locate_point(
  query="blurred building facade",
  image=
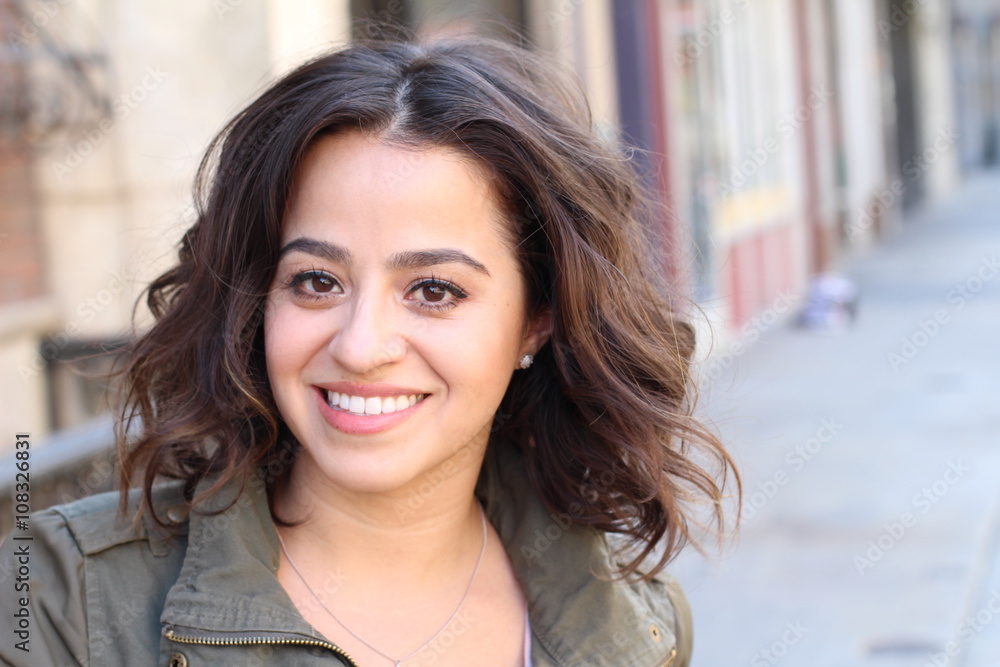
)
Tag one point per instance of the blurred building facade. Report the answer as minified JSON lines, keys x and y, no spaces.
{"x":779,"y":135}
{"x":976,"y":66}
{"x":107,"y":106}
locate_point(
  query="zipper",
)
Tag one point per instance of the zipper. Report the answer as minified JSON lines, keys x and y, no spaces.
{"x":273,"y":638}
{"x":290,"y":639}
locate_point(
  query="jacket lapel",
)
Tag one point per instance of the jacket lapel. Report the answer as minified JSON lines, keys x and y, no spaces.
{"x":578,"y":616}
{"x":228,"y":582}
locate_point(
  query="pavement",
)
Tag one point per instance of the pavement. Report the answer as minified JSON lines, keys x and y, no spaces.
{"x":871,"y":466}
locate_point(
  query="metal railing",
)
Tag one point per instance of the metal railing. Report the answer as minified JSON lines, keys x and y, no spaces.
{"x":68,"y":465}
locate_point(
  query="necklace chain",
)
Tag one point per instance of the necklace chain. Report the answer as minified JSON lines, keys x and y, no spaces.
{"x":400,"y":661}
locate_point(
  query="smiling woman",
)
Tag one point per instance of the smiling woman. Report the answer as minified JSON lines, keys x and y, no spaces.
{"x":412,"y":369}
{"x":383,"y":293}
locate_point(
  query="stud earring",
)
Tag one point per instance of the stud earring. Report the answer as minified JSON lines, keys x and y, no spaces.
{"x":526,"y":361}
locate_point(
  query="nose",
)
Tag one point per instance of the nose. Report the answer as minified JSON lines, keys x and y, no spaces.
{"x":369,"y":335}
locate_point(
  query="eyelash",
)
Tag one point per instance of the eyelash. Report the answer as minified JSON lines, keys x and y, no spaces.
{"x":295,"y":282}
{"x":457,"y":292}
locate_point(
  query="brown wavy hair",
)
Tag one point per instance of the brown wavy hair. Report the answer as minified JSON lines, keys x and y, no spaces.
{"x":605,"y":412}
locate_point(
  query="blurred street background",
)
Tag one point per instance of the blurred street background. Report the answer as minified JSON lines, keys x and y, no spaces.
{"x":829,"y":172}
{"x":871,"y":516}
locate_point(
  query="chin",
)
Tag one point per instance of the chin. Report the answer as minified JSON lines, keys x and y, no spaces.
{"x":365,"y":472}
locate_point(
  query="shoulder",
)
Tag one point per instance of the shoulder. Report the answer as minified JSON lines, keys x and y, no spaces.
{"x":76,"y":568}
{"x":666,"y":598}
{"x":581,"y":613}
{"x":96,"y":525}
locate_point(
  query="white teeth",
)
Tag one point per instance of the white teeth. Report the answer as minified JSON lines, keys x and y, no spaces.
{"x":372,"y":405}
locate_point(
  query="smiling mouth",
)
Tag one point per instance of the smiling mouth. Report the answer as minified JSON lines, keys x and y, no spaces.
{"x":371,"y":405}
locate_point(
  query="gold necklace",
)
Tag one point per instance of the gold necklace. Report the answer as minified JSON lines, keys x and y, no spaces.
{"x":427,"y":643}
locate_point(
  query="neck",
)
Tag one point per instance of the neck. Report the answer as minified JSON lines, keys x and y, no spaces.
{"x":401,"y":542}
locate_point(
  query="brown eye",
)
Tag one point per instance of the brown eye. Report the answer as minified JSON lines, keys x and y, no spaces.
{"x":436,"y":294}
{"x":433,"y":293}
{"x":321,"y":283}
{"x":313,"y":283}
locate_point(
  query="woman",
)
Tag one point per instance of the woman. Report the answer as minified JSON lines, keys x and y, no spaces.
{"x":415,"y":363}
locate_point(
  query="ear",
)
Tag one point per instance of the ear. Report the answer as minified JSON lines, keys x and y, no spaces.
{"x":537,"y":332}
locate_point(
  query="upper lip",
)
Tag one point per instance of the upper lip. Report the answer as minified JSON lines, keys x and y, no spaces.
{"x":370,"y":390}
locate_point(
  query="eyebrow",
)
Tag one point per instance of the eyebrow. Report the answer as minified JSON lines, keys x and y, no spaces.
{"x":408,"y":259}
{"x":418,"y":259}
{"x":321,"y":249}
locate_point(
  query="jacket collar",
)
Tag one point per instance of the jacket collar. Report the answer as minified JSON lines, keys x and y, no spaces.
{"x":579,"y":615}
{"x":228,"y":581}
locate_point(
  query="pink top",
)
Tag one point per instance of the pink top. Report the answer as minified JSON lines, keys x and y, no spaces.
{"x":527,"y":640}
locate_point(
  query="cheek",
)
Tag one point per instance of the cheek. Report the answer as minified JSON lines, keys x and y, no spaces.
{"x":273,"y":353}
{"x":477,"y":356}
{"x":286,"y":343}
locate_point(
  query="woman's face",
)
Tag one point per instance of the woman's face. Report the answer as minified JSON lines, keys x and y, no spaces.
{"x":397,"y":314}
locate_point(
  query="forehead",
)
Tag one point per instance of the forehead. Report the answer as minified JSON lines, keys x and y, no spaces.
{"x":373,"y":197}
{"x":356,"y":174}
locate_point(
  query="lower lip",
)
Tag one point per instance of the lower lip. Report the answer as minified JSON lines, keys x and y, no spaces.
{"x":355,"y":424}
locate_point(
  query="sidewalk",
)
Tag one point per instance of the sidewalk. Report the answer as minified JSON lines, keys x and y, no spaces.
{"x":871,"y":465}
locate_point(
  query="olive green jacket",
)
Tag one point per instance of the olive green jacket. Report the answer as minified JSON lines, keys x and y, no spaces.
{"x":103,"y":594}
